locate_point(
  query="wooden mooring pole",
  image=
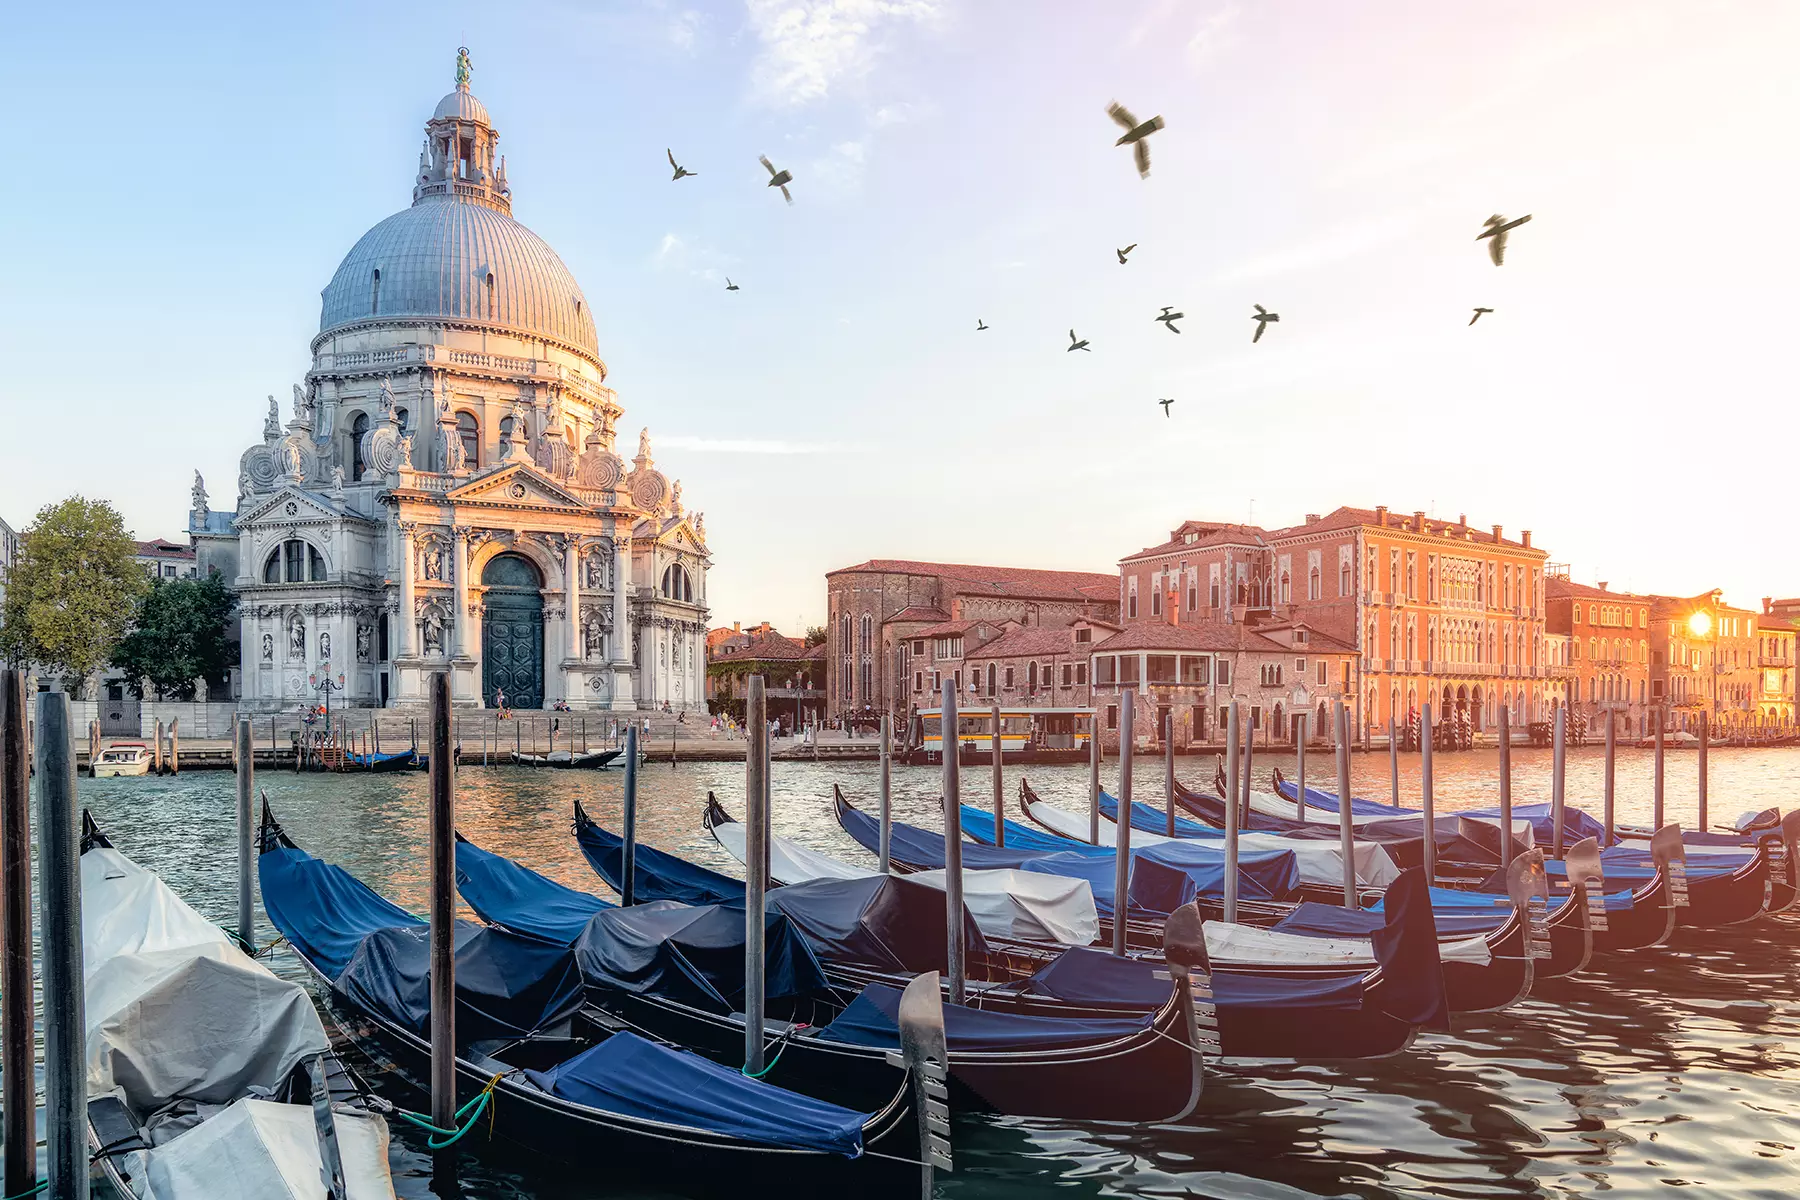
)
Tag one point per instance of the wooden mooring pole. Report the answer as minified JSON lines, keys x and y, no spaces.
{"x":887,"y":795}
{"x":65,"y":999}
{"x":953,"y":879}
{"x":246,"y":785}
{"x":443,"y":907}
{"x":1122,"y":828}
{"x":756,"y":872}
{"x":18,"y":1102}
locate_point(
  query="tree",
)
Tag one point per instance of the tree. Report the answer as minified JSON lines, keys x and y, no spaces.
{"x":70,"y":596}
{"x":182,"y":635}
{"x":815,"y":636}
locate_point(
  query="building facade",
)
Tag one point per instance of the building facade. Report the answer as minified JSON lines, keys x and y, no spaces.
{"x":1776,"y":643}
{"x":163,"y":559}
{"x":878,"y":611}
{"x":1437,"y":612}
{"x":793,"y":676}
{"x":1706,"y":662}
{"x":9,"y":554}
{"x":1608,"y":668}
{"x":448,"y":493}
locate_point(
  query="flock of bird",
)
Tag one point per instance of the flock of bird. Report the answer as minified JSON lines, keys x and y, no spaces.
{"x":1494,"y":230}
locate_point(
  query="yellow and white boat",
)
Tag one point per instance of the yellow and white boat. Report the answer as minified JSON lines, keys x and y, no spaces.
{"x":123,"y":758}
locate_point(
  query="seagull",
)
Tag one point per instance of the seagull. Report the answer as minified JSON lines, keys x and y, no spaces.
{"x":679,"y":169}
{"x":1124,"y":252}
{"x":1262,"y":318}
{"x":779,"y":179}
{"x":1135,"y":133}
{"x":1478,"y":313}
{"x":1169,"y":318}
{"x":1077,"y":345}
{"x":979,"y":325}
{"x":730,"y":286}
{"x":1496,"y":227}
{"x":1165,"y":404}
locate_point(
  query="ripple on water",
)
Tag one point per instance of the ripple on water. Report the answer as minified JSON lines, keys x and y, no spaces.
{"x":1653,"y":1069}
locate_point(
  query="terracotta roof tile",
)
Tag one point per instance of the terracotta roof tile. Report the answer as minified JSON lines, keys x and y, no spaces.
{"x":1210,"y":635}
{"x":1029,"y":643}
{"x":919,"y":612}
{"x":765,"y":647}
{"x":1563,"y":589}
{"x":997,"y":581}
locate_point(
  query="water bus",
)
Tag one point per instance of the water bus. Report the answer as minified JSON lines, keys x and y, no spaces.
{"x":1027,"y":735}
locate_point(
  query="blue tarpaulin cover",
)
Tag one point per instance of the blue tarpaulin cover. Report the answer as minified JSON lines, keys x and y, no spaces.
{"x":1311,"y":918}
{"x":872,"y":1019}
{"x":1151,"y":821}
{"x":692,"y":954}
{"x":659,"y":875}
{"x":1262,"y":874}
{"x":1406,"y":946}
{"x":1576,"y":823}
{"x":507,"y":986}
{"x":883,"y":922}
{"x":1092,"y":977}
{"x":506,"y":894}
{"x":632,"y":1077}
{"x":978,"y":823}
{"x":321,"y":908}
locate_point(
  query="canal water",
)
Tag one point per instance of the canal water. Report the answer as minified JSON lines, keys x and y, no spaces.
{"x":1678,"y":1066}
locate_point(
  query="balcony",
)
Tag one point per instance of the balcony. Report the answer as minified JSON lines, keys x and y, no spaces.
{"x":1770,"y":660}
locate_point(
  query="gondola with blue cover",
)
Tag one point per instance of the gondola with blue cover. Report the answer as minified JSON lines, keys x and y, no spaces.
{"x":564,"y":1084}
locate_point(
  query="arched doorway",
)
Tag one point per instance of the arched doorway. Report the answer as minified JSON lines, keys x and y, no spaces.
{"x":512,"y":632}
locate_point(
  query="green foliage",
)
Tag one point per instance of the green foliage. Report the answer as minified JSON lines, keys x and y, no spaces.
{"x":182,"y":634}
{"x":815,"y":636}
{"x":71,"y":595}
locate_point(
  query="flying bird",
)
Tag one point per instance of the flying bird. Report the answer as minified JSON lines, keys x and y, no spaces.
{"x":1165,"y":404}
{"x":1478,"y":313}
{"x":979,"y":325}
{"x":730,"y":286}
{"x":1135,"y":133}
{"x":679,"y":169}
{"x":1496,"y":228}
{"x":1077,"y":345}
{"x":1124,"y":252}
{"x":1169,"y":318}
{"x":1262,"y":318}
{"x":779,"y":179}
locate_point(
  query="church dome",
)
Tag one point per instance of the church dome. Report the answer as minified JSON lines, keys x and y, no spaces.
{"x":457,"y":260}
{"x":461,"y":105}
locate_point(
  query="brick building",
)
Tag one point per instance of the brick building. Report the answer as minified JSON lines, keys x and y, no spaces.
{"x":792,"y":672}
{"x":161,"y":558}
{"x":879,"y":612}
{"x":1004,"y":662}
{"x":1706,"y":658}
{"x":1436,"y":611}
{"x":1777,"y":640}
{"x":1608,"y":667}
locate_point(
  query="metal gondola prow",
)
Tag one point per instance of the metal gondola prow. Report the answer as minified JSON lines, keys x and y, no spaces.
{"x":1669,"y":854}
{"x":925,"y":1055}
{"x":1184,"y":949}
{"x":1528,"y":885}
{"x":1582,"y":863}
{"x":1784,"y":857}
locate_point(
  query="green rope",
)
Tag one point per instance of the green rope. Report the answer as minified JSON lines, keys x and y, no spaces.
{"x":36,"y":1191}
{"x":445,"y":1138}
{"x":745,"y":1071}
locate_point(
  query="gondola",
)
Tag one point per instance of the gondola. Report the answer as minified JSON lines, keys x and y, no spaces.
{"x":208,"y":1076}
{"x":1577,"y":824}
{"x":563,"y":1084}
{"x":401,"y":761}
{"x":1285,"y":1013}
{"x":585,"y":760}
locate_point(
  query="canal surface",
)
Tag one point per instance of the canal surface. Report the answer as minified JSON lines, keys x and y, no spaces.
{"x":1653,"y":1069}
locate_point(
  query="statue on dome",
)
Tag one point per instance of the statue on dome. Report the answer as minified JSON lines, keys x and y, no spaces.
{"x":463,"y":69}
{"x":199,"y":494}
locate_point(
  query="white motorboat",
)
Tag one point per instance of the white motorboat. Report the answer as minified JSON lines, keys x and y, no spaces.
{"x":122,"y":758}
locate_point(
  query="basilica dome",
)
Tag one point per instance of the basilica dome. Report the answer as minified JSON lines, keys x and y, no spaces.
{"x":452,"y":259}
{"x":457,"y":254}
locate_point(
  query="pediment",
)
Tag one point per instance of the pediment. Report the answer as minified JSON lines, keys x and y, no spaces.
{"x":516,"y":486}
{"x":294,"y":504}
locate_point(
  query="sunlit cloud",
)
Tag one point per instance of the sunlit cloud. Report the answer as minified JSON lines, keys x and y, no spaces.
{"x":1215,"y":35}
{"x":808,"y":46}
{"x":691,"y":257}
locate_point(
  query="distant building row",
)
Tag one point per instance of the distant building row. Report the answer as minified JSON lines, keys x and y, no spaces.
{"x":1386,"y":611}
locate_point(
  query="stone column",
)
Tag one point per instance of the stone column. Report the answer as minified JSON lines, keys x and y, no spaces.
{"x":572,"y":593}
{"x":459,"y":563}
{"x":407,"y":631}
{"x":622,"y":692}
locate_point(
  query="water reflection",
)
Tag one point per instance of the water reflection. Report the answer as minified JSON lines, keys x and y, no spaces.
{"x":1653,"y":1067}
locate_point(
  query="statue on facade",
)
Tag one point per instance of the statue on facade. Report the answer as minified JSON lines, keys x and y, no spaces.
{"x":364,"y":635}
{"x":675,"y":499}
{"x":268,"y":648}
{"x":593,"y":639}
{"x":700,"y":525}
{"x":302,"y":403}
{"x":434,"y":632}
{"x":245,"y":486}
{"x":387,"y":397}
{"x":199,"y":495}
{"x":296,"y":637}
{"x":324,"y":645}
{"x":434,"y":564}
{"x":337,"y":482}
{"x":272,"y":422}
{"x":644,"y":443}
{"x":594,"y":576}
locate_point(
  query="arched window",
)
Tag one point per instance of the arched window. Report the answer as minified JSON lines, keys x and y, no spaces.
{"x":294,"y":561}
{"x":358,"y":427}
{"x":468,"y":430}
{"x":1031,"y":676}
{"x":403,"y":419}
{"x":677,"y":585}
{"x":375,"y":293}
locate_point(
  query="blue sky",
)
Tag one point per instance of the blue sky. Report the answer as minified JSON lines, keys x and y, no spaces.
{"x":184,"y":183}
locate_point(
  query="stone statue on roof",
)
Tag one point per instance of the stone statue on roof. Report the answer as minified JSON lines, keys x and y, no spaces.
{"x":199,"y":494}
{"x":644,"y":443}
{"x":272,"y":422}
{"x":387,"y":396}
{"x":463,"y":68}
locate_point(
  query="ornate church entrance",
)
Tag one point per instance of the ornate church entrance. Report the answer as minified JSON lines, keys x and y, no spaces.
{"x":512,"y":633}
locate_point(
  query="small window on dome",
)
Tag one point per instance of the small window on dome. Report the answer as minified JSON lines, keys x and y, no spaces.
{"x":375,"y":293}
{"x":578,"y":309}
{"x":490,"y":295}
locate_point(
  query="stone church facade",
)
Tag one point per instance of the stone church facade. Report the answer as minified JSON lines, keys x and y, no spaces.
{"x":447,"y":493}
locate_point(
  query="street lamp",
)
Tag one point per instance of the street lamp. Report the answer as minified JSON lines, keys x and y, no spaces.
{"x":325,"y":685}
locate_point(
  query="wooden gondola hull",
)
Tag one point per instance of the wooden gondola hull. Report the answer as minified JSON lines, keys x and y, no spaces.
{"x":1147,"y":1078}
{"x":1503,"y":980}
{"x":1731,"y":899}
{"x":1648,"y":922}
{"x":1311,"y":1034}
